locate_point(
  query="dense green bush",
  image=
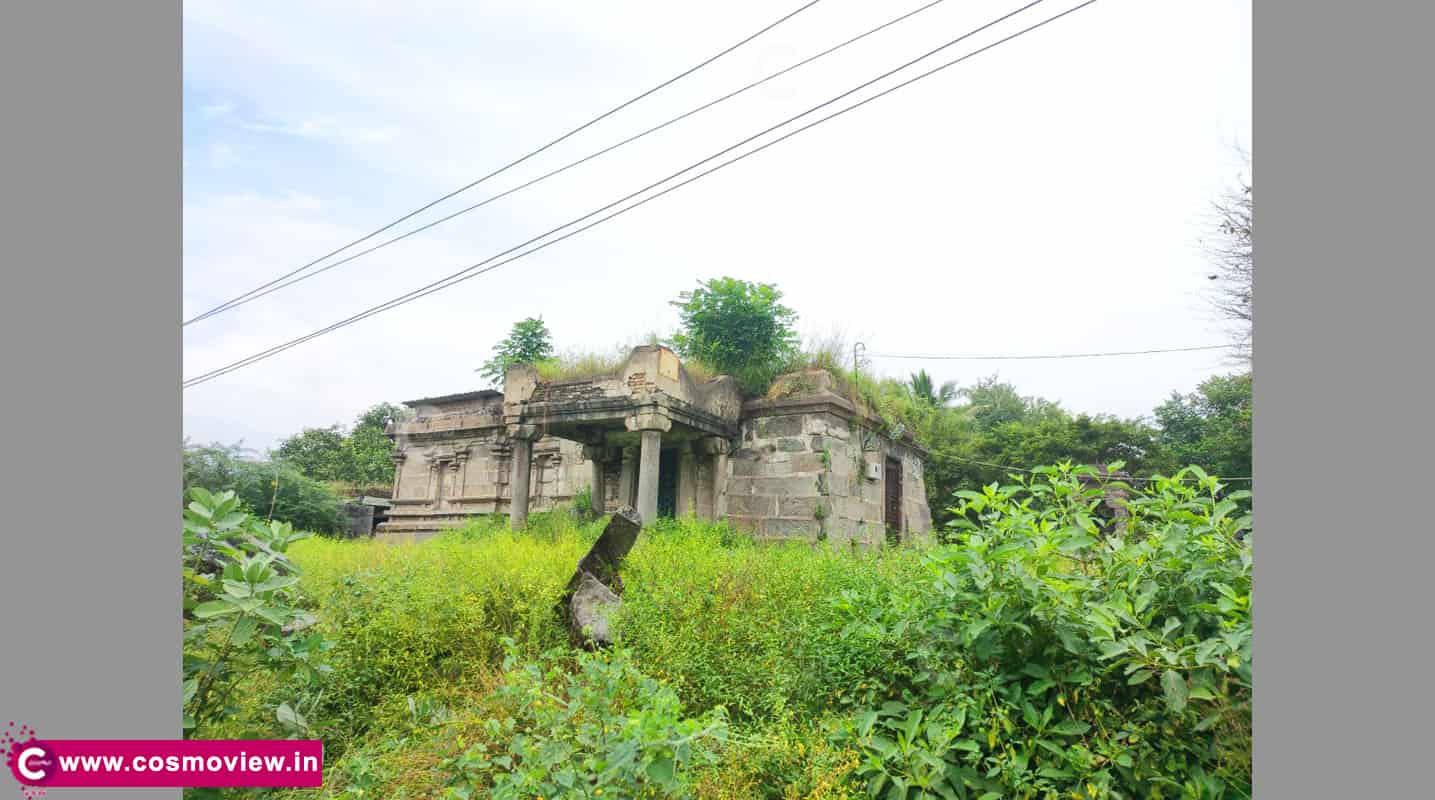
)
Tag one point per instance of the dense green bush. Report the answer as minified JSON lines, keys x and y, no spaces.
{"x":1053,"y":660}
{"x":582,"y":730}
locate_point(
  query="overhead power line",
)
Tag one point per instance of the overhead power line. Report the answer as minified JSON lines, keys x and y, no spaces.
{"x":282,"y":282}
{"x":230,"y":303}
{"x":290,"y":282}
{"x":474,"y":270}
{"x":1060,"y":355}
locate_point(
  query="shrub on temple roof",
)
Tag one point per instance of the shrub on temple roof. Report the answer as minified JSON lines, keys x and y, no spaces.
{"x":737,"y":328}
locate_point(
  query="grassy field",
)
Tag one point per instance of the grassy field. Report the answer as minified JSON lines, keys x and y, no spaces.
{"x":1031,"y":659}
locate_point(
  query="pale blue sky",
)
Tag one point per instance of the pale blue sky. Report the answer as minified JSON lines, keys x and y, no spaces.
{"x":1047,"y":196}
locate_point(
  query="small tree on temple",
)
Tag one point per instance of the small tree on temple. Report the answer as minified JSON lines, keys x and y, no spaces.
{"x":528,"y":343}
{"x":737,"y":328}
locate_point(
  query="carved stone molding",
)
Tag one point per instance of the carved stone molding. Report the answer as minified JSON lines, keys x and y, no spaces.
{"x":654,"y":420}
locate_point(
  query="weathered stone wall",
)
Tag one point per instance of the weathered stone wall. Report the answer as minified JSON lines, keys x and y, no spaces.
{"x":443,"y":479}
{"x":803,"y":474}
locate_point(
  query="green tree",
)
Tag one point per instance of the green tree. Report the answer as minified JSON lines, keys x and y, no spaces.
{"x":925,"y":390}
{"x":1211,"y":427}
{"x":737,"y":328}
{"x":319,"y":453}
{"x":529,"y":342}
{"x":992,"y":402}
{"x":368,"y":448}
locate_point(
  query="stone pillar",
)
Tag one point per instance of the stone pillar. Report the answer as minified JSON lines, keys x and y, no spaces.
{"x":628,"y":478}
{"x":653,"y":422}
{"x":717,"y":449}
{"x":687,"y":481}
{"x":522,"y":467}
{"x":594,"y":454}
{"x":648,"y":476}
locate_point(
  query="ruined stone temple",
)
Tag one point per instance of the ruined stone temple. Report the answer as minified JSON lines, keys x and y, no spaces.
{"x":808,"y":466}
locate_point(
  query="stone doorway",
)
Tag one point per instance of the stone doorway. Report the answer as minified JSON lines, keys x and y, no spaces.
{"x":892,"y":507}
{"x":668,"y":483}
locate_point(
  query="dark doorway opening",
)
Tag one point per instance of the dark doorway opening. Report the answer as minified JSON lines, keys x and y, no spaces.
{"x":667,"y":483}
{"x":892,"y":488}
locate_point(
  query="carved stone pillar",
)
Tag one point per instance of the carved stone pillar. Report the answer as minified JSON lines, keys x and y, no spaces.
{"x":652,"y":424}
{"x":595,"y":455}
{"x":648,"y":476}
{"x":522,"y":437}
{"x":628,"y":478}
{"x":717,"y":449}
{"x":687,"y":481}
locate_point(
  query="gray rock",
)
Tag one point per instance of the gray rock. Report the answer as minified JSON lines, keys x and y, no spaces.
{"x":589,"y":609}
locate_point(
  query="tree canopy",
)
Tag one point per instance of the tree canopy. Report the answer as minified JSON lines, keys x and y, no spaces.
{"x":360,"y":457}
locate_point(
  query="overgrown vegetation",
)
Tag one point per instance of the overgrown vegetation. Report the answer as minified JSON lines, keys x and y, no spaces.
{"x":1032,"y":655}
{"x":266,"y":489}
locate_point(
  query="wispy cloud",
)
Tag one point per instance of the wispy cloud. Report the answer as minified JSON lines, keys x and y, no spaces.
{"x":328,"y":130}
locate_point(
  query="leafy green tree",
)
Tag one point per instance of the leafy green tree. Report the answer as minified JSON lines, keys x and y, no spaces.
{"x":319,"y":453}
{"x":992,"y":402}
{"x":368,"y":449}
{"x":1211,"y":427}
{"x":359,"y":457}
{"x":529,"y":342}
{"x":737,"y":328}
{"x":925,"y":390}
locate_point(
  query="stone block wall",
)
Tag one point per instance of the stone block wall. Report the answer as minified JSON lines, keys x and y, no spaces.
{"x":803,"y":476}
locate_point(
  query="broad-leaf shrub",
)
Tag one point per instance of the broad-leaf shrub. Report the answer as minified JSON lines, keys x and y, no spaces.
{"x":243,"y":615}
{"x":1053,"y":660}
{"x":598,"y":727}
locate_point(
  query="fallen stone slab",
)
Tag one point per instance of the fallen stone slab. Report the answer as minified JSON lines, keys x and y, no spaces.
{"x":589,"y":610}
{"x":598,"y":570}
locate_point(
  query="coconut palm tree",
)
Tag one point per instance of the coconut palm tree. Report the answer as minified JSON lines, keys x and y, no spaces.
{"x":924,"y":390}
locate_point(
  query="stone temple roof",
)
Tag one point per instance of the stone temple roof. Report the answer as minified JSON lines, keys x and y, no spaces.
{"x":482,"y":394}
